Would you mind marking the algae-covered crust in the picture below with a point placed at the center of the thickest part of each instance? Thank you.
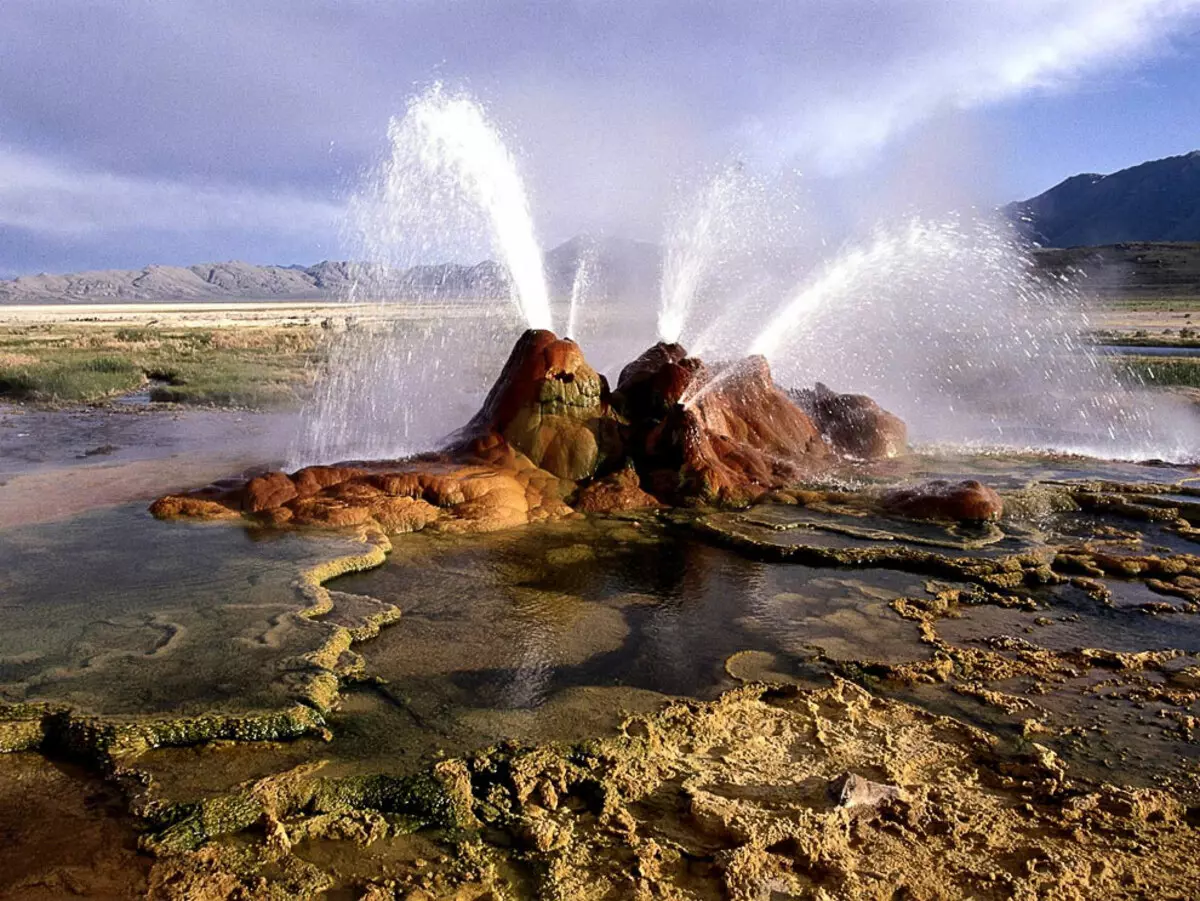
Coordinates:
(108, 680)
(766, 792)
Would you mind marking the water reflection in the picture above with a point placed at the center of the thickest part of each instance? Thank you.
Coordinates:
(505, 621)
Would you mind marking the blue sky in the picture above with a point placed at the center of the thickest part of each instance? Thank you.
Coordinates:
(136, 132)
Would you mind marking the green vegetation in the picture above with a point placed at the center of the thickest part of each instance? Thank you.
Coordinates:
(82, 379)
(1188, 336)
(1163, 371)
(244, 367)
(1151, 303)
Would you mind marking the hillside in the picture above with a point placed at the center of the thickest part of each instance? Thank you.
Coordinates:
(625, 267)
(1155, 201)
(1133, 269)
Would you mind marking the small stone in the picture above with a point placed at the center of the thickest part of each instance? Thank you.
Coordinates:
(852, 790)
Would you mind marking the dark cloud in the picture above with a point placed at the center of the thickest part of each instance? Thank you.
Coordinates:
(271, 110)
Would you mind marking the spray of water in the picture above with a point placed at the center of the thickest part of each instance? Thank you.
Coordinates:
(729, 252)
(449, 165)
(417, 362)
(585, 271)
(948, 324)
(697, 238)
(857, 271)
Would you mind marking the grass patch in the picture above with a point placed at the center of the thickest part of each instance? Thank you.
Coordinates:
(257, 367)
(1183, 337)
(1158, 304)
(78, 380)
(232, 383)
(1163, 371)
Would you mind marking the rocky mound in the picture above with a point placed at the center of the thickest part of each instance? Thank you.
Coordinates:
(549, 405)
(853, 424)
(675, 431)
(721, 435)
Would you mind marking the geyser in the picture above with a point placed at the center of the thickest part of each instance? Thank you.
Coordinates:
(550, 433)
(445, 153)
(402, 377)
(945, 322)
(581, 284)
(949, 324)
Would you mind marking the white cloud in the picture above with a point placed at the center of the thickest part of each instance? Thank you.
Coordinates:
(154, 117)
(984, 53)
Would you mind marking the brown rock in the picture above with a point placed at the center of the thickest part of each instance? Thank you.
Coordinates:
(653, 383)
(275, 516)
(853, 424)
(327, 513)
(403, 514)
(271, 490)
(314, 479)
(968, 501)
(618, 491)
(550, 405)
(183, 506)
(727, 435)
(722, 435)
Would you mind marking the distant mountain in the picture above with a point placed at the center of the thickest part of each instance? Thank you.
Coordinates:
(206, 282)
(623, 268)
(619, 268)
(1155, 201)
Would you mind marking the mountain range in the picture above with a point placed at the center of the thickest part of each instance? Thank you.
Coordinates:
(622, 268)
(1155, 201)
(1140, 215)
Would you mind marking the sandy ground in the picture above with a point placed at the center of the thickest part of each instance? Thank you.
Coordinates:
(206, 314)
(1153, 321)
(223, 314)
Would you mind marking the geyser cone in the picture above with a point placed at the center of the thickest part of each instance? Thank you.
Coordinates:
(657, 380)
(737, 437)
(550, 405)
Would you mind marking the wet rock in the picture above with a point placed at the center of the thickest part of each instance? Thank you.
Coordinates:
(548, 427)
(327, 513)
(182, 506)
(727, 435)
(653, 383)
(616, 492)
(403, 514)
(968, 501)
(550, 405)
(854, 424)
(266, 491)
(314, 479)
